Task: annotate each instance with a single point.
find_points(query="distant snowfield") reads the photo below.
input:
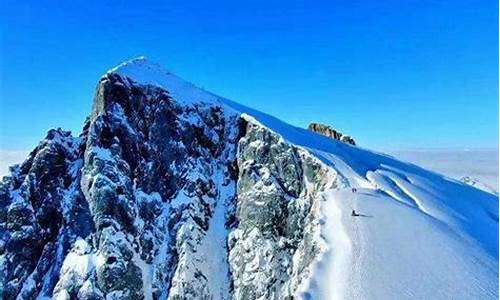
(481, 164)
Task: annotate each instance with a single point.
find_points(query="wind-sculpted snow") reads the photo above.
(171, 192)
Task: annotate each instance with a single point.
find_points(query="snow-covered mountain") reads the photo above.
(171, 192)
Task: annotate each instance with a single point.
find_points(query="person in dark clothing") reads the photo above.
(354, 214)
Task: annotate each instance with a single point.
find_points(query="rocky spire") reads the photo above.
(330, 132)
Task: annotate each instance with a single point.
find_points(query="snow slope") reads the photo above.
(421, 235)
(424, 236)
(392, 251)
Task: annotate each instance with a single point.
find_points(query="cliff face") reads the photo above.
(330, 132)
(160, 198)
(275, 238)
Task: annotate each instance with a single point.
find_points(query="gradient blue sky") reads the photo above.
(394, 74)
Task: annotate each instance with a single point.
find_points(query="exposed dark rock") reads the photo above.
(152, 197)
(330, 132)
(276, 216)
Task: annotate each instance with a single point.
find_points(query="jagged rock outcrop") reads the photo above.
(163, 195)
(277, 211)
(330, 132)
(34, 204)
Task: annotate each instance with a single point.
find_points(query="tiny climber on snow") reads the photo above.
(353, 213)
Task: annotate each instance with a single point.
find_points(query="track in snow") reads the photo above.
(393, 251)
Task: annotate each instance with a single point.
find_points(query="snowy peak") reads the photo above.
(140, 64)
(145, 72)
(172, 192)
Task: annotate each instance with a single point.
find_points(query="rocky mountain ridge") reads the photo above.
(171, 192)
(159, 198)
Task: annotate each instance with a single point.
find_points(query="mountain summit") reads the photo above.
(171, 192)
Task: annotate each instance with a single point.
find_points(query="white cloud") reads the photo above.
(481, 164)
(11, 157)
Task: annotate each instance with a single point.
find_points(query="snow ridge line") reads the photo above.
(331, 268)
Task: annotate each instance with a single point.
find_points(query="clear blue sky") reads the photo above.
(391, 73)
